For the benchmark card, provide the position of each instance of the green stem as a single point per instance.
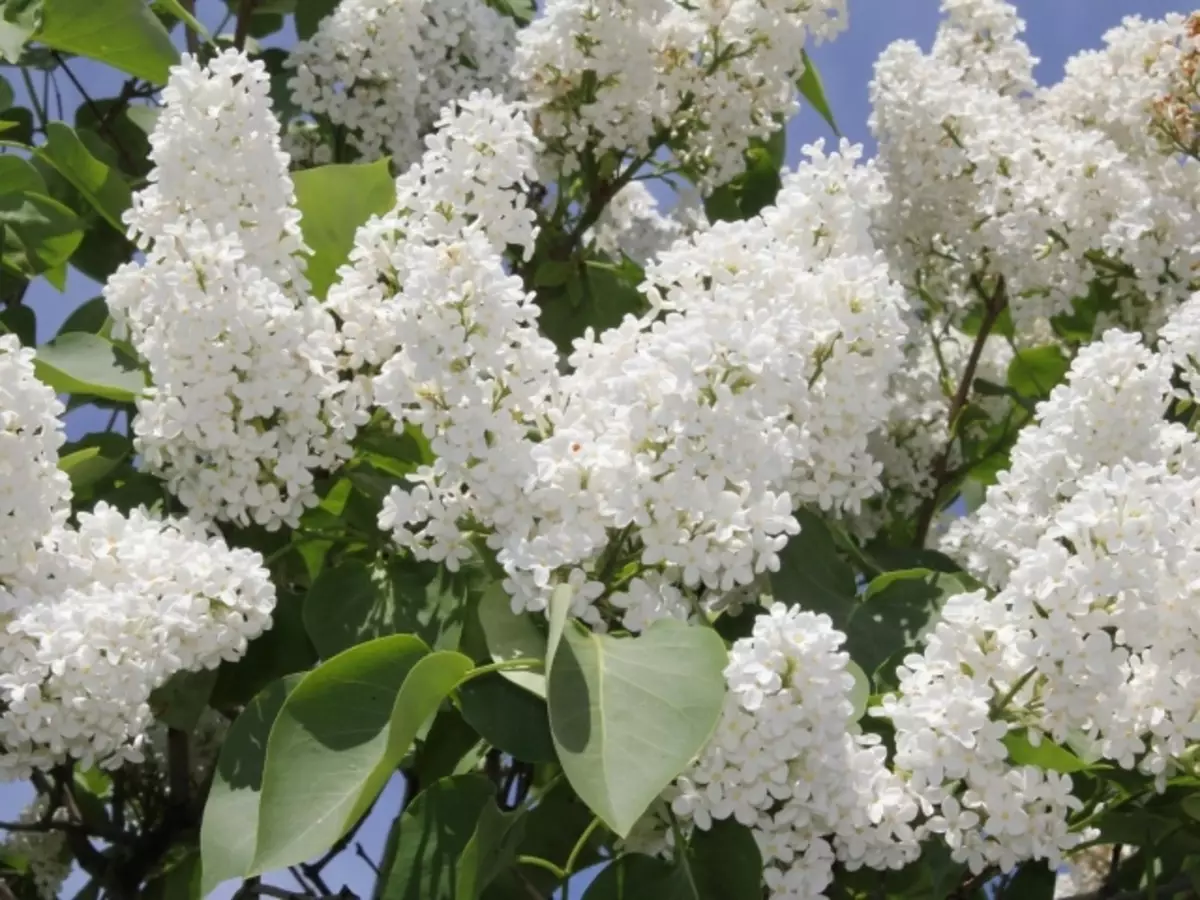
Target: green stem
(504, 665)
(1012, 691)
(33, 98)
(577, 851)
(540, 863)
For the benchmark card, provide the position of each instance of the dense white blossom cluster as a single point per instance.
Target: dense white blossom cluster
(995, 182)
(384, 69)
(94, 616)
(45, 853)
(783, 762)
(624, 76)
(113, 609)
(33, 491)
(245, 402)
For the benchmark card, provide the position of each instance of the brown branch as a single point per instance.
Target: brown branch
(994, 306)
(178, 767)
(190, 37)
(242, 30)
(102, 121)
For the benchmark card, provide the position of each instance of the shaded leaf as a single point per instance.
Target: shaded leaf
(628, 714)
(78, 363)
(812, 574)
(508, 717)
(102, 186)
(512, 636)
(124, 34)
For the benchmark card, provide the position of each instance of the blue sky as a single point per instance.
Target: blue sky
(1057, 29)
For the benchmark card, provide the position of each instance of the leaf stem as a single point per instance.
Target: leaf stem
(540, 863)
(504, 665)
(576, 851)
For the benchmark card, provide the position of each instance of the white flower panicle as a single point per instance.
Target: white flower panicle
(384, 69)
(471, 179)
(246, 401)
(991, 181)
(34, 492)
(1108, 412)
(114, 609)
(783, 762)
(619, 75)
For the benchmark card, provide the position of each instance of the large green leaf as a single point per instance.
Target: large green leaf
(353, 602)
(40, 233)
(426, 843)
(101, 186)
(340, 736)
(628, 714)
(309, 14)
(638, 877)
(124, 34)
(1034, 372)
(510, 636)
(897, 611)
(17, 175)
(232, 809)
(334, 201)
(508, 717)
(78, 363)
(1046, 755)
(813, 575)
(491, 849)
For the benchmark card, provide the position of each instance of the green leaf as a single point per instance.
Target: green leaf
(40, 234)
(628, 714)
(353, 602)
(232, 810)
(16, 123)
(283, 650)
(100, 185)
(124, 34)
(20, 320)
(725, 862)
(508, 717)
(176, 9)
(896, 612)
(860, 694)
(637, 877)
(557, 611)
(812, 574)
(512, 636)
(93, 458)
(6, 92)
(812, 89)
(1036, 371)
(1046, 755)
(421, 860)
(17, 176)
(1191, 805)
(1032, 881)
(491, 849)
(78, 363)
(180, 702)
(597, 295)
(90, 317)
(449, 745)
(309, 14)
(340, 736)
(334, 201)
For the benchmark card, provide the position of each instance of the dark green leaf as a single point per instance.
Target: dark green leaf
(20, 320)
(491, 849)
(78, 363)
(812, 574)
(16, 124)
(334, 201)
(180, 701)
(89, 317)
(1032, 881)
(17, 176)
(232, 809)
(725, 862)
(638, 877)
(428, 840)
(124, 34)
(628, 714)
(93, 458)
(283, 650)
(309, 14)
(354, 602)
(508, 717)
(449, 745)
(896, 612)
(340, 735)
(102, 186)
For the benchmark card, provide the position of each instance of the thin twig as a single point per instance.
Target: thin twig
(242, 30)
(101, 120)
(361, 853)
(190, 37)
(995, 305)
